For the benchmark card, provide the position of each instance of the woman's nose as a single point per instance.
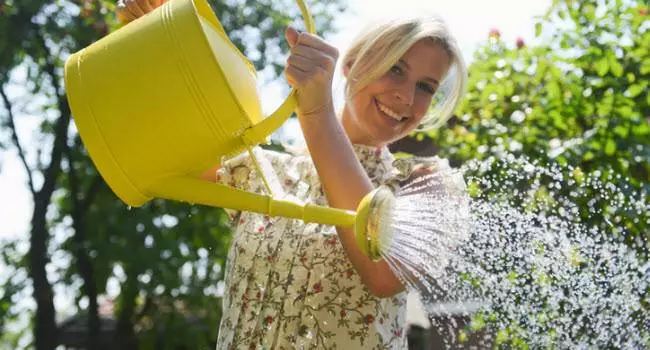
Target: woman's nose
(405, 93)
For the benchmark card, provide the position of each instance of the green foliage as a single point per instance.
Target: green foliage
(579, 99)
(164, 261)
(13, 281)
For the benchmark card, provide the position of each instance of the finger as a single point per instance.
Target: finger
(124, 15)
(314, 41)
(294, 76)
(144, 5)
(133, 7)
(319, 58)
(301, 63)
(291, 35)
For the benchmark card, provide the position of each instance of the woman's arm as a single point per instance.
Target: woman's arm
(210, 174)
(345, 182)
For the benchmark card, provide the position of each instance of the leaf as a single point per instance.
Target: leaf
(621, 131)
(610, 147)
(645, 66)
(634, 90)
(589, 11)
(641, 130)
(615, 67)
(538, 29)
(553, 89)
(625, 111)
(602, 66)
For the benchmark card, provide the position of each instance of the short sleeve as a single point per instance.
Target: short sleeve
(236, 172)
(241, 172)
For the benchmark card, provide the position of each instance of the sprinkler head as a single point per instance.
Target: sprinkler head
(374, 223)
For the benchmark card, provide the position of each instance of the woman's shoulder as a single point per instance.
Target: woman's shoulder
(280, 159)
(246, 158)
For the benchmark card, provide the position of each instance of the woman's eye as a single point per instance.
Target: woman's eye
(396, 70)
(427, 88)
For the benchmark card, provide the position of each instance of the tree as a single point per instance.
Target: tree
(165, 257)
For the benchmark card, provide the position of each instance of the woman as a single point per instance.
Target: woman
(291, 284)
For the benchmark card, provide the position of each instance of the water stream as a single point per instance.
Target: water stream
(534, 256)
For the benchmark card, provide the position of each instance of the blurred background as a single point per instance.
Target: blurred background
(562, 81)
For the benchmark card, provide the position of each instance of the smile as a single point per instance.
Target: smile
(389, 112)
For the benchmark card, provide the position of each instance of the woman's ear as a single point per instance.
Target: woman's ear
(346, 68)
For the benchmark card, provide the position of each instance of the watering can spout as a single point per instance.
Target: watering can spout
(371, 222)
(197, 191)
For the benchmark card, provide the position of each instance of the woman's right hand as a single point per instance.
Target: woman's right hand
(129, 10)
(310, 69)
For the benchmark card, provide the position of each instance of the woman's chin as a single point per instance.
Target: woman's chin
(382, 136)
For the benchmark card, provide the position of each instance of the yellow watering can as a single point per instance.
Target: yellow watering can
(158, 101)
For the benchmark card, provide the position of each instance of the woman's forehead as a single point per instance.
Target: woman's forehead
(427, 58)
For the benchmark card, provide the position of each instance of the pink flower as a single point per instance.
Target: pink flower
(643, 11)
(520, 43)
(494, 33)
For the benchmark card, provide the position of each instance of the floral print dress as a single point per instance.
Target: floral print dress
(289, 284)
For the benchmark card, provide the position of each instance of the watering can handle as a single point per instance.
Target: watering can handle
(260, 131)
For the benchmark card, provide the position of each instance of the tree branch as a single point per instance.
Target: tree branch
(45, 328)
(93, 188)
(61, 128)
(16, 141)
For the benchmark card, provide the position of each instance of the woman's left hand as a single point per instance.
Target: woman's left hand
(129, 10)
(310, 69)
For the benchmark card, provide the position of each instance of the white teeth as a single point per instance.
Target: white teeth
(390, 112)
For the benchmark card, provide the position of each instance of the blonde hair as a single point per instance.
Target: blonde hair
(382, 44)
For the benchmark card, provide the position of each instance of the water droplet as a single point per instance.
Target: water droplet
(521, 251)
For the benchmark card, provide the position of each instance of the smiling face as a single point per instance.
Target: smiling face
(393, 105)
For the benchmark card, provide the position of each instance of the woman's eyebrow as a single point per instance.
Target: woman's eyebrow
(433, 80)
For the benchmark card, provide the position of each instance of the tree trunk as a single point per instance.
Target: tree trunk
(125, 334)
(84, 265)
(45, 326)
(85, 268)
(45, 330)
